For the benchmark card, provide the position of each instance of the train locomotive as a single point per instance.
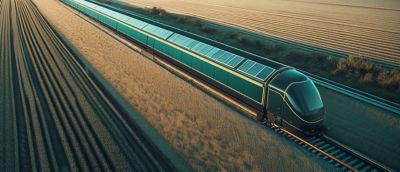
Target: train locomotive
(281, 95)
(294, 102)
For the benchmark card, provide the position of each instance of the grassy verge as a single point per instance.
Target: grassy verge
(354, 71)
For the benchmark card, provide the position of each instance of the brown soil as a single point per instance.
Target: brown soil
(208, 134)
(365, 27)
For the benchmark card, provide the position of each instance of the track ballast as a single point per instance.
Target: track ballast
(342, 157)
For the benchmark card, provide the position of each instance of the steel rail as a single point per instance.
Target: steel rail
(334, 152)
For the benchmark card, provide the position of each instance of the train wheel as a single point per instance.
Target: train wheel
(260, 117)
(278, 121)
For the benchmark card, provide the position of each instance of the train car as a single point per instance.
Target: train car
(280, 94)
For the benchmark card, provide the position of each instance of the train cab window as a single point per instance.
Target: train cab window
(304, 97)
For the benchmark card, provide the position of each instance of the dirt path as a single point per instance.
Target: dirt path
(209, 135)
(360, 27)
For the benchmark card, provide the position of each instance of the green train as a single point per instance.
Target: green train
(280, 94)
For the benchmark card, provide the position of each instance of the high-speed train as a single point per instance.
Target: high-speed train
(280, 94)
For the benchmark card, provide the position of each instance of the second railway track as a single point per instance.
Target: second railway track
(342, 157)
(54, 115)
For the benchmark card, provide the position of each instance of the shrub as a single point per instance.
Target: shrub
(389, 79)
(359, 63)
(369, 77)
(233, 35)
(242, 39)
(317, 57)
(188, 20)
(356, 64)
(258, 43)
(278, 48)
(297, 56)
(156, 11)
(206, 29)
(342, 65)
(194, 21)
(181, 19)
(384, 78)
(162, 12)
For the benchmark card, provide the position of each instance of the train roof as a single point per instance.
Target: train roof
(235, 62)
(284, 79)
(249, 64)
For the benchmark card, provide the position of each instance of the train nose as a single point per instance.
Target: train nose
(314, 122)
(315, 116)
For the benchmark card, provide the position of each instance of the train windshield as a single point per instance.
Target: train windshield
(305, 98)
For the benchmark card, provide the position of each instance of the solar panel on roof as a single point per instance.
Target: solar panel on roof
(185, 42)
(235, 61)
(181, 40)
(205, 50)
(148, 28)
(197, 47)
(229, 57)
(249, 67)
(223, 57)
(98, 7)
(173, 37)
(246, 65)
(265, 73)
(255, 69)
(212, 52)
(136, 23)
(106, 11)
(120, 16)
(164, 32)
(86, 3)
(217, 54)
(155, 30)
(192, 44)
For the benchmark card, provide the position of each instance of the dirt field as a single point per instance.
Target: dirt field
(208, 134)
(370, 28)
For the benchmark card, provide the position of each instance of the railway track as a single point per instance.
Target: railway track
(342, 157)
(57, 115)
